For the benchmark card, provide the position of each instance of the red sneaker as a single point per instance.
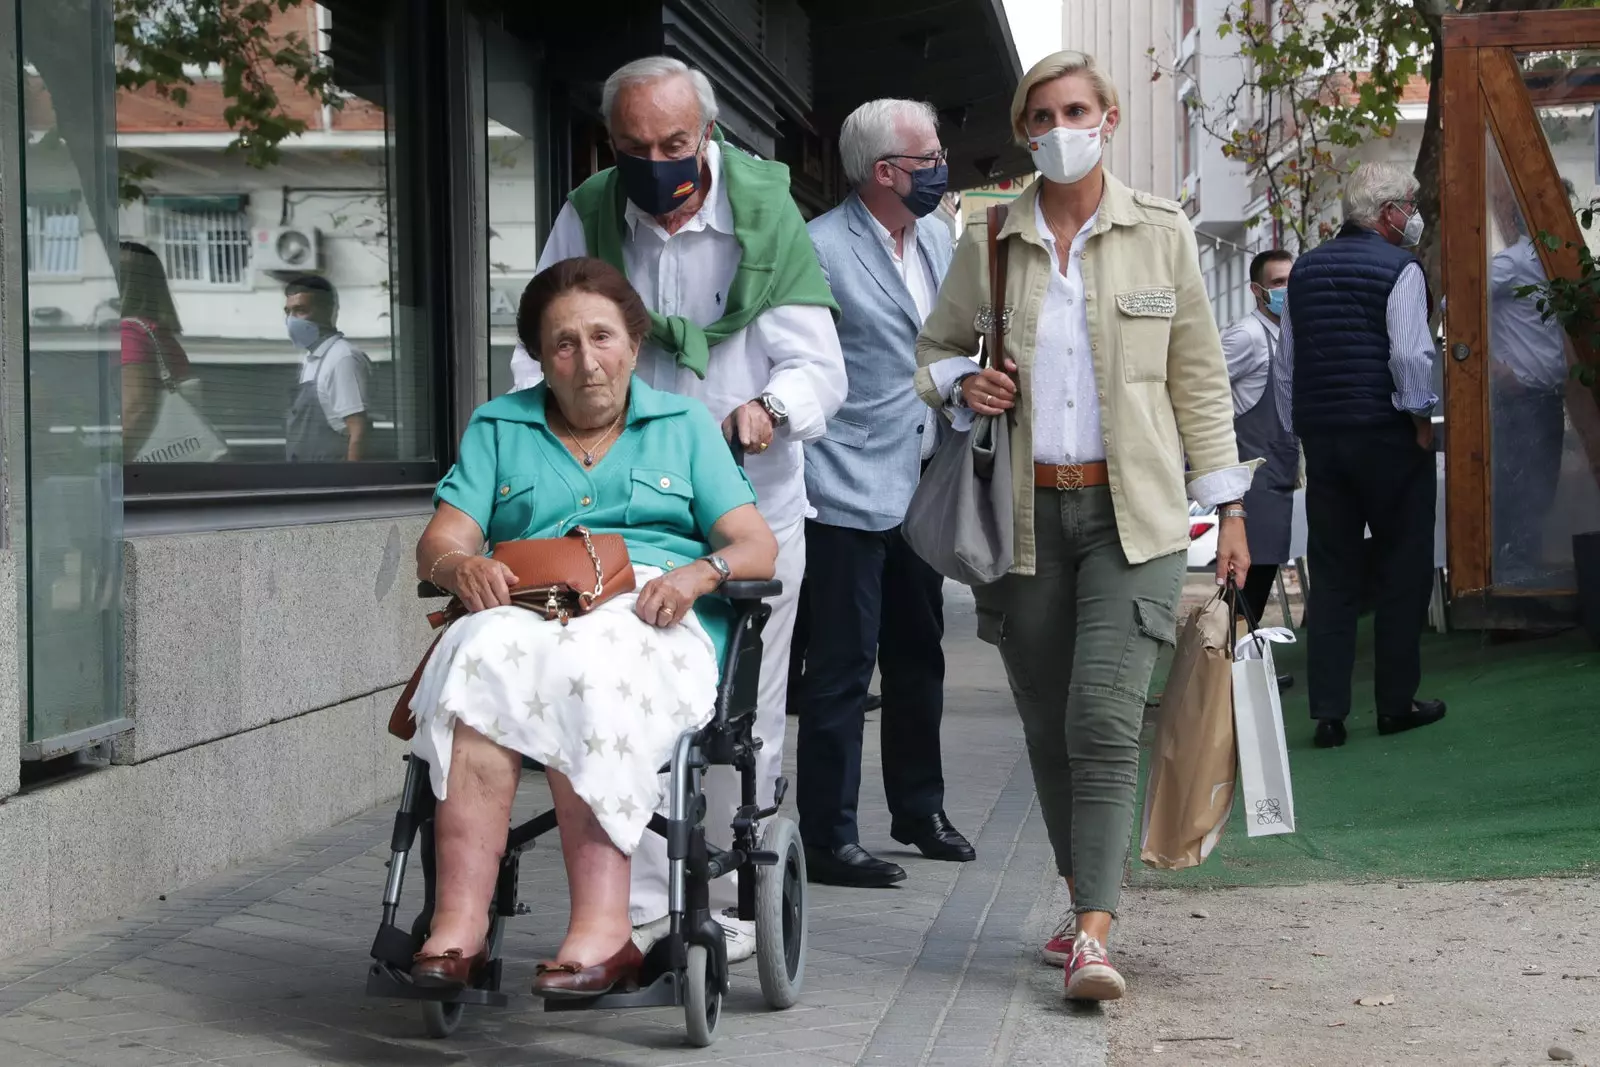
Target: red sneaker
(1058, 950)
(1090, 975)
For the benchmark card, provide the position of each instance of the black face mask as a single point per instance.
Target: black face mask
(927, 189)
(659, 186)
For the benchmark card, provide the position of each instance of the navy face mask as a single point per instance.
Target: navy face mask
(927, 189)
(659, 186)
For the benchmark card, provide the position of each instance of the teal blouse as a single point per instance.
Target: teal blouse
(665, 482)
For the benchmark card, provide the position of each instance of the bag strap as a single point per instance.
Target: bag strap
(161, 358)
(995, 349)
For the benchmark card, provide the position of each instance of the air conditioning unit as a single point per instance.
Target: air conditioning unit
(288, 248)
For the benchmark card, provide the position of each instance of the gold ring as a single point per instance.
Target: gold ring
(762, 447)
(668, 612)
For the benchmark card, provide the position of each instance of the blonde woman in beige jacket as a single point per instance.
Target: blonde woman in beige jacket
(1116, 376)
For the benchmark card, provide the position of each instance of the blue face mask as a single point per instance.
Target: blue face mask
(659, 186)
(927, 189)
(1276, 299)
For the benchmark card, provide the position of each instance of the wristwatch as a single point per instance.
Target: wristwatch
(774, 408)
(720, 565)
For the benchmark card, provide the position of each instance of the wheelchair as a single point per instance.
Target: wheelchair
(689, 967)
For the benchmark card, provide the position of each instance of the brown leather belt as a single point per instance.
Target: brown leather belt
(1070, 475)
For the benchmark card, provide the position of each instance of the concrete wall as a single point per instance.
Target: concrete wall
(1119, 34)
(261, 667)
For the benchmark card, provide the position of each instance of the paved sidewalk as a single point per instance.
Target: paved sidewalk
(265, 966)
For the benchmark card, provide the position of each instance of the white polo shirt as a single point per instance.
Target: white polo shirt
(340, 370)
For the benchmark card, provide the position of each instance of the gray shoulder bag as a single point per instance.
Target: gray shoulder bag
(960, 519)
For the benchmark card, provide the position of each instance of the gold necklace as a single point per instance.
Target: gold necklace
(589, 450)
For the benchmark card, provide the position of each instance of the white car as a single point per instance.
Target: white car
(1202, 538)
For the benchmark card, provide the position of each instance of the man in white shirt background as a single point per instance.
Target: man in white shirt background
(1249, 345)
(773, 382)
(327, 420)
(1527, 405)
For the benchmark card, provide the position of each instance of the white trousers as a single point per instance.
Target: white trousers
(648, 896)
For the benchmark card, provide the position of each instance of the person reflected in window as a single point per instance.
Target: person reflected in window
(1528, 368)
(327, 420)
(150, 330)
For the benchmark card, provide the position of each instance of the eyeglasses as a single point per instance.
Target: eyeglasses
(934, 160)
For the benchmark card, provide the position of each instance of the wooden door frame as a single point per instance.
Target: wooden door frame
(1484, 97)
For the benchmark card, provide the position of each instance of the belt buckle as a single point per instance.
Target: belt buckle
(1069, 476)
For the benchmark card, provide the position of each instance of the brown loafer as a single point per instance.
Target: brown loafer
(573, 980)
(451, 969)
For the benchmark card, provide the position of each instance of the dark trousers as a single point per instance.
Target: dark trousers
(1382, 480)
(1528, 427)
(869, 598)
(1258, 589)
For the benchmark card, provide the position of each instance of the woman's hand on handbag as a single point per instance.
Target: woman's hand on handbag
(666, 601)
(1233, 552)
(990, 392)
(479, 581)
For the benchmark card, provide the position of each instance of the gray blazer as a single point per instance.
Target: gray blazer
(861, 475)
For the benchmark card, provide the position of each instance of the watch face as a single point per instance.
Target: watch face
(775, 407)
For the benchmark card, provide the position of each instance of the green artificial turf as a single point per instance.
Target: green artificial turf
(1507, 786)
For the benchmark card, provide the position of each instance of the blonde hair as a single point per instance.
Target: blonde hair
(1049, 69)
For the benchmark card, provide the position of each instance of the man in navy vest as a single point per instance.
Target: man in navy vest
(1354, 378)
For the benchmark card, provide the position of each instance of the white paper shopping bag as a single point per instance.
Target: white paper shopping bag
(1258, 724)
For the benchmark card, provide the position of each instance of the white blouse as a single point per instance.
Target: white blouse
(1066, 411)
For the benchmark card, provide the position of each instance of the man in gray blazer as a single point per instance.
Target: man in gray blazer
(868, 596)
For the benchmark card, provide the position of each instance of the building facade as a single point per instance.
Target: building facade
(198, 659)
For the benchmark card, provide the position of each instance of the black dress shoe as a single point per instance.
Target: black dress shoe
(852, 866)
(1422, 713)
(1330, 733)
(935, 838)
(874, 701)
(1285, 681)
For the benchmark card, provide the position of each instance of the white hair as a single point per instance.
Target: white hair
(654, 68)
(874, 130)
(1373, 185)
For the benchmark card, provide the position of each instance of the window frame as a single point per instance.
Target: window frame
(156, 214)
(35, 215)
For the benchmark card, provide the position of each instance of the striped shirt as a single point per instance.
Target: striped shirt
(1411, 351)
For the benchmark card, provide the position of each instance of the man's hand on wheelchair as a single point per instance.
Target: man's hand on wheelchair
(666, 601)
(481, 583)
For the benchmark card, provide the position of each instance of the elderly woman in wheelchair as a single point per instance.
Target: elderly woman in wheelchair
(602, 698)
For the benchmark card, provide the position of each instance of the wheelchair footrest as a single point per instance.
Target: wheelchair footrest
(664, 992)
(386, 981)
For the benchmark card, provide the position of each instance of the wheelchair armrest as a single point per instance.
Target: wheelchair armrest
(429, 591)
(745, 592)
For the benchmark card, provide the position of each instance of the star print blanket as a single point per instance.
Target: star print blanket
(602, 700)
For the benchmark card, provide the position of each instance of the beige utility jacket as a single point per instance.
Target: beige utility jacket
(1158, 361)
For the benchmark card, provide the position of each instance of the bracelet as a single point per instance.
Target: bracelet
(435, 568)
(1233, 513)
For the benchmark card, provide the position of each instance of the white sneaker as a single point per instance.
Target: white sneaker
(647, 934)
(741, 936)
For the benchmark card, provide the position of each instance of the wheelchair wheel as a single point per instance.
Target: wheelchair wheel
(440, 1019)
(781, 926)
(702, 998)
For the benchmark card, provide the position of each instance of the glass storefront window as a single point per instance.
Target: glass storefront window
(261, 279)
(516, 131)
(70, 482)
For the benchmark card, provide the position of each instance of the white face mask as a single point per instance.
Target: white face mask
(1067, 156)
(302, 332)
(1412, 235)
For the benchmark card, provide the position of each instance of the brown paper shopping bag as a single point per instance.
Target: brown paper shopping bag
(1189, 792)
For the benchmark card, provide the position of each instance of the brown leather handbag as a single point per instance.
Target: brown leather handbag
(557, 577)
